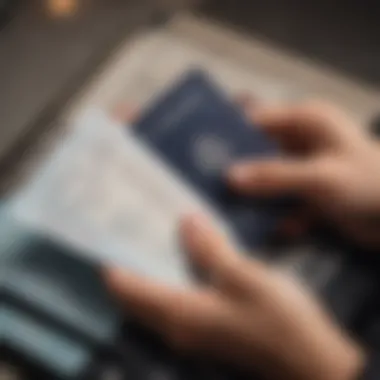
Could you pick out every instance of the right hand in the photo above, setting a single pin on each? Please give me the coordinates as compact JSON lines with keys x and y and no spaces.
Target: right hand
{"x":249,"y":314}
{"x":332,"y":164}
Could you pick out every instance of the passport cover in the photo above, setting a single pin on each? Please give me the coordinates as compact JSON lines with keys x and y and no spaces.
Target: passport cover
{"x":197,"y":130}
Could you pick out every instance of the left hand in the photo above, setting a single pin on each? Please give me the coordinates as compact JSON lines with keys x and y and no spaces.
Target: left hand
{"x":250,"y":314}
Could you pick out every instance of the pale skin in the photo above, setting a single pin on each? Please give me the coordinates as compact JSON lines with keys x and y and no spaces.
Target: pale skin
{"x":252,"y":315}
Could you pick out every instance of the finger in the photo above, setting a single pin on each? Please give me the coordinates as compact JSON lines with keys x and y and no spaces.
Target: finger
{"x":125,"y":112}
{"x":248,"y":103}
{"x":273,"y":177}
{"x":183,"y":317}
{"x":212,"y":251}
{"x":246,"y":100}
{"x":311,"y":122}
{"x":207,"y":247}
{"x":146,"y":298}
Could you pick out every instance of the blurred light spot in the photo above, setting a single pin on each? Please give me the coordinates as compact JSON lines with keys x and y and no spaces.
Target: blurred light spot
{"x":62,"y":8}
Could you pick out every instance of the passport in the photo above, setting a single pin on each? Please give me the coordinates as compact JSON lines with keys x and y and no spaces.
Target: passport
{"x":197,"y":130}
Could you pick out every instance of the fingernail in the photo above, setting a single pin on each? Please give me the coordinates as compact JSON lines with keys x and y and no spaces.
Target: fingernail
{"x":239,"y":174}
{"x":197,"y":223}
{"x":259,"y":115}
{"x":196,"y":228}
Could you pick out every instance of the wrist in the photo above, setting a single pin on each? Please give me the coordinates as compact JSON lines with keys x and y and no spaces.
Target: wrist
{"x":328,"y":355}
{"x":348,"y":364}
{"x":340,"y":359}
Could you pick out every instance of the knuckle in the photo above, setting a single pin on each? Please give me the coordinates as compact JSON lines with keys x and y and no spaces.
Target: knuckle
{"x":317,"y":107}
{"x":323,"y":112}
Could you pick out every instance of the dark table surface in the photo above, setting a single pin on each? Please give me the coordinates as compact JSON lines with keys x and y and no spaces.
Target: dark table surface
{"x":343,"y":34}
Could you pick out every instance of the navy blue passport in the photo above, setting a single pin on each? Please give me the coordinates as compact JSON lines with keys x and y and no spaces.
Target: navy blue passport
{"x":199,"y":132}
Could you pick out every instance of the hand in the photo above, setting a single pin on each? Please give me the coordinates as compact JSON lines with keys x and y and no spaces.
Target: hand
{"x":332,"y":164}
{"x":250,"y":314}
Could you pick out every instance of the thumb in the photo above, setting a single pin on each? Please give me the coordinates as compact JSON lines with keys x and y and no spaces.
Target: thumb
{"x":267,"y":178}
{"x":227,"y":269}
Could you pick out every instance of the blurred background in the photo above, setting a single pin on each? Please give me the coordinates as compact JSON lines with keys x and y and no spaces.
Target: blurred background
{"x":59,"y":56}
{"x":343,"y":34}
